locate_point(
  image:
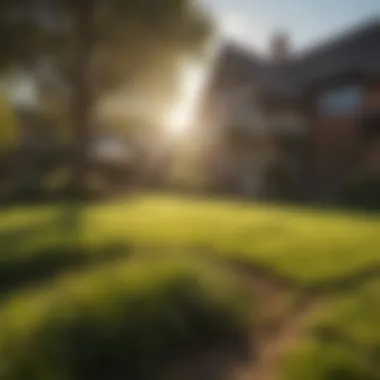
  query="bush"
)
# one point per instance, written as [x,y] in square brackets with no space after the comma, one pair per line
[279,180]
[23,267]
[121,321]
[363,193]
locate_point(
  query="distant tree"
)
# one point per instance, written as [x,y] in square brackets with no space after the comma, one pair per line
[8,141]
[89,48]
[8,127]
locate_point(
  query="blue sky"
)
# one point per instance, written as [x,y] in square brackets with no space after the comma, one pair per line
[307,21]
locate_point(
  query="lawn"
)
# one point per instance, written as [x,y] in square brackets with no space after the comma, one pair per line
[119,321]
[60,264]
[306,244]
[341,341]
[309,245]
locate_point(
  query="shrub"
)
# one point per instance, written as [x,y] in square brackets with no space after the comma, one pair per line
[121,321]
[363,192]
[23,267]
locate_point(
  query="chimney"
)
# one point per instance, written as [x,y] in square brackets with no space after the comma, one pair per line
[280,47]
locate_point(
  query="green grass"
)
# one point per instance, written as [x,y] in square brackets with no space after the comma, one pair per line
[36,244]
[343,340]
[141,301]
[122,321]
[308,245]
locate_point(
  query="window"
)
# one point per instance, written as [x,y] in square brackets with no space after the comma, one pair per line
[340,101]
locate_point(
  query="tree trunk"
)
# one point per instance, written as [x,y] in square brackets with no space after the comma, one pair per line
[82,97]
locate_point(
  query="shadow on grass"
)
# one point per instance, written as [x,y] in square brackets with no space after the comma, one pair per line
[32,254]
[284,282]
[367,354]
[346,283]
[222,362]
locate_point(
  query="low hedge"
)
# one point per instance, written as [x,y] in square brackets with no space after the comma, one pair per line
[363,192]
[119,321]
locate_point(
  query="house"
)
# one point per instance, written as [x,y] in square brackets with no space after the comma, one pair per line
[294,124]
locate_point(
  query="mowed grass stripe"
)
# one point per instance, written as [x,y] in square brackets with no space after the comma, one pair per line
[308,245]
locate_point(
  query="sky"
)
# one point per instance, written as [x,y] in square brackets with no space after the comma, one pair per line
[306,21]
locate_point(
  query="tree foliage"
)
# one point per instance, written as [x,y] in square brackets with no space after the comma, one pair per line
[8,126]
[83,50]
[130,42]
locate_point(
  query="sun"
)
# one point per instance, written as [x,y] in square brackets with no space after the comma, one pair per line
[181,116]
[180,119]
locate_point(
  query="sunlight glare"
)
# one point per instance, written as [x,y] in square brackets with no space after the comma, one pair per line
[182,114]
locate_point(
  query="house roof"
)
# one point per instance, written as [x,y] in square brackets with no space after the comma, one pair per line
[356,51]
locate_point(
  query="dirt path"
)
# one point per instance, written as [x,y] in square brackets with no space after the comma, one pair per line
[282,325]
[287,315]
[286,307]
[272,348]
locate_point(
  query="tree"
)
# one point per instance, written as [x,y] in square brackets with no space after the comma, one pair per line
[8,127]
[94,47]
